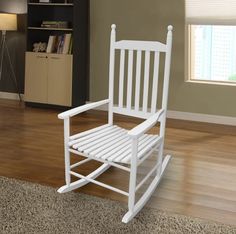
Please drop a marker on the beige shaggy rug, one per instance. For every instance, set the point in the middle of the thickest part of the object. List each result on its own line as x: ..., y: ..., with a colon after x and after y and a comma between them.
x: 32, y: 208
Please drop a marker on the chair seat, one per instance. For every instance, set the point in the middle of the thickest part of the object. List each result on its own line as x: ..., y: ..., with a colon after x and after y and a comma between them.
x: 111, y: 143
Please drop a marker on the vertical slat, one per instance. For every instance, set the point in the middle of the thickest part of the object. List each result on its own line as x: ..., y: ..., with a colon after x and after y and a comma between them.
x: 146, y: 81
x: 137, y: 85
x: 130, y: 78
x: 155, y: 82
x: 121, y: 78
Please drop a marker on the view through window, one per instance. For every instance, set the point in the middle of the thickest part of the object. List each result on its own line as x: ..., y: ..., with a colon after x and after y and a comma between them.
x: 213, y: 53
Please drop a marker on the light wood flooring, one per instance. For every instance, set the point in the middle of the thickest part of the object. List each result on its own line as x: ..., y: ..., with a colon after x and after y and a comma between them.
x: 200, y: 180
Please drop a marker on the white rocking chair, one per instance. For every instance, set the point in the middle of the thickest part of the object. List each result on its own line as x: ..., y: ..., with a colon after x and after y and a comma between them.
x: 113, y: 145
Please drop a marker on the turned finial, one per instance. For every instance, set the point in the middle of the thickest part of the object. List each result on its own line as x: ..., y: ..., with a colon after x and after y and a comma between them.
x: 170, y: 28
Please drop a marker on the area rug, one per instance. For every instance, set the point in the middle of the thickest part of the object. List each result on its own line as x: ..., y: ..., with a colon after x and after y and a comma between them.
x: 32, y: 208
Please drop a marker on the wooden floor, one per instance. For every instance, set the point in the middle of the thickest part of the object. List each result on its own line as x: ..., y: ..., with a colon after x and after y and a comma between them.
x: 200, y: 180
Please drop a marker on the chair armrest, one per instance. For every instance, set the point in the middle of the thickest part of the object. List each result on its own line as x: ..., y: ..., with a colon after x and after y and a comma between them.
x: 146, y: 125
x: 80, y: 109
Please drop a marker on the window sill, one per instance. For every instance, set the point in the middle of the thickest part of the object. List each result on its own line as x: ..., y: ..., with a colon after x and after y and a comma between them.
x: 223, y: 83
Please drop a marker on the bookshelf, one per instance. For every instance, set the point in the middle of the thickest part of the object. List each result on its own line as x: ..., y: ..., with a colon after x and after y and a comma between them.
x: 73, y: 65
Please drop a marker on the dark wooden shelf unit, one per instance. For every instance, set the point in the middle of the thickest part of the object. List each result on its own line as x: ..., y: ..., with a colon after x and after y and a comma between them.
x: 76, y: 13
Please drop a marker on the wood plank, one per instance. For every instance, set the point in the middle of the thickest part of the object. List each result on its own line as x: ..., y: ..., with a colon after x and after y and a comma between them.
x: 121, y: 78
x: 146, y: 81
x: 137, y: 83
x: 130, y: 79
x: 140, y: 45
x: 155, y: 83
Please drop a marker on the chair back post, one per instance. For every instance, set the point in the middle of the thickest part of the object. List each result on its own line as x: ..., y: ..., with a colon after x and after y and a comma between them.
x: 166, y: 78
x: 111, y: 72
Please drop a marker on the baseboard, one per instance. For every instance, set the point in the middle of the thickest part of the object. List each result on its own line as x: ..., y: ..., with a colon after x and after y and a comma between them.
x: 216, y: 119
x: 196, y: 117
x: 11, y: 96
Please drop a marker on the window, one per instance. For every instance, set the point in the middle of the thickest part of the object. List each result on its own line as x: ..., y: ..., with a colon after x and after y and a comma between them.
x: 212, y: 40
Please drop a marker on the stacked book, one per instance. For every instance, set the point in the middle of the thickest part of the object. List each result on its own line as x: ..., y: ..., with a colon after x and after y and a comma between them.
x: 54, y: 24
x: 44, y: 1
x: 61, y: 44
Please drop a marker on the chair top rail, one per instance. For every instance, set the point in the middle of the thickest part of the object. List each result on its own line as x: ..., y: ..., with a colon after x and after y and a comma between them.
x: 140, y: 45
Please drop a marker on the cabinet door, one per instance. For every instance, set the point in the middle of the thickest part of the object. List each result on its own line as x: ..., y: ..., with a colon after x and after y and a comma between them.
x: 60, y: 79
x: 36, y: 77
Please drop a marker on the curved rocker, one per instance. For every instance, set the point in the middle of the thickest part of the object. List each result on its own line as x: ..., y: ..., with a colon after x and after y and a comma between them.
x: 82, y: 182
x: 143, y: 200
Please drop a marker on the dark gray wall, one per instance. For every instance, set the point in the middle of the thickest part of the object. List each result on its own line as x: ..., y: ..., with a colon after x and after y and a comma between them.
x: 16, y: 42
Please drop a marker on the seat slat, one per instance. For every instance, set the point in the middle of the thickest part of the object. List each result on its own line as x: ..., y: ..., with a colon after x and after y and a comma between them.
x: 113, y: 154
x: 144, y: 151
x: 98, y: 140
x: 104, y: 144
x: 85, y: 133
x: 92, y: 134
x: 112, y: 150
x: 127, y: 151
x: 148, y: 145
x: 112, y: 143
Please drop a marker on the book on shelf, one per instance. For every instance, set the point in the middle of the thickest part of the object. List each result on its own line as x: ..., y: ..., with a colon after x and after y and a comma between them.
x: 67, y: 42
x: 44, y: 1
x: 51, y: 42
x: 71, y: 46
x: 54, y: 24
x: 61, y: 44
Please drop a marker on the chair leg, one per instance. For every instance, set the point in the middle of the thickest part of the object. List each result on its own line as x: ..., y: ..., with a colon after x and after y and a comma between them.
x: 67, y: 167
x: 146, y: 196
x: 132, y: 179
x: 132, y: 187
x: 66, y: 150
x: 160, y: 158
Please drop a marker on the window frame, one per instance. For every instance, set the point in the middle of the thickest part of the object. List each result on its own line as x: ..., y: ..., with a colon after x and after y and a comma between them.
x: 189, y: 62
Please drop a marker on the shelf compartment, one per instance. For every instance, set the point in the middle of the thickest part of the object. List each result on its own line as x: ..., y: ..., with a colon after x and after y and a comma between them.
x: 47, y: 54
x: 50, y: 4
x: 50, y: 29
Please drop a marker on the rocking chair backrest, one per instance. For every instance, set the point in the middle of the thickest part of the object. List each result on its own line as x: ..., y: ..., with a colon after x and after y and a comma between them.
x: 138, y: 48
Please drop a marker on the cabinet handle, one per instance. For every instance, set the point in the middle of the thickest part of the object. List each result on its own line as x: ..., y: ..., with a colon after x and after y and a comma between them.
x: 41, y: 56
x: 55, y: 58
